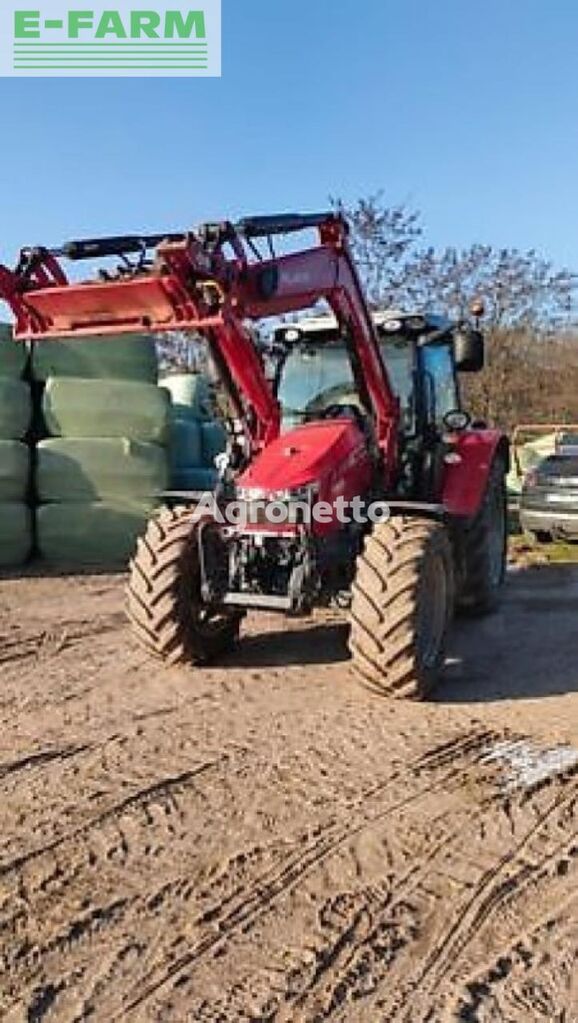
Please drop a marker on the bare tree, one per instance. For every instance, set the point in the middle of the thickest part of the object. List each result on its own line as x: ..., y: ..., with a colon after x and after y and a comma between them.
x: 180, y: 352
x: 383, y: 240
x: 528, y: 302
x: 519, y: 289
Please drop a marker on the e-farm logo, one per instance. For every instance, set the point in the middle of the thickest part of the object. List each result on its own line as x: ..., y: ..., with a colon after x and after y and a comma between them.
x: 162, y: 39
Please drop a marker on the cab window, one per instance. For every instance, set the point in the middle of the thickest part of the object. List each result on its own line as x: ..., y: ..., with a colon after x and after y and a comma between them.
x: 440, y: 381
x: 398, y: 360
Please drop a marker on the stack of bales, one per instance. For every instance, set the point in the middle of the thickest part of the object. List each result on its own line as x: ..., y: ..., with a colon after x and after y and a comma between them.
x: 105, y: 465
x: 15, y: 416
x: 196, y: 436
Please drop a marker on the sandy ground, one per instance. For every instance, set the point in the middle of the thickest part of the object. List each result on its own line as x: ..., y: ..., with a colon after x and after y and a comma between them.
x: 268, y: 841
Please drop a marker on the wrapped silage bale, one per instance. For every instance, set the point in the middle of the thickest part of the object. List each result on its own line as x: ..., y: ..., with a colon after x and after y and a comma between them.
x: 110, y: 357
x: 214, y: 441
x: 190, y: 394
x: 196, y: 437
x: 13, y: 354
x: 15, y: 533
x: 194, y: 479
x: 186, y: 444
x: 15, y: 414
x: 106, y: 466
x: 107, y: 408
x: 73, y: 469
x: 15, y: 408
x: 14, y: 470
x: 91, y: 534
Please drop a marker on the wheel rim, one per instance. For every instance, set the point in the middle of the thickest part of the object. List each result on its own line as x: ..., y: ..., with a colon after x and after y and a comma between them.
x: 497, y: 537
x: 433, y: 604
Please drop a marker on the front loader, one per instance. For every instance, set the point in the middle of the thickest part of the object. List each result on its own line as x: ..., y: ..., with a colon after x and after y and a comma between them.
x: 350, y: 409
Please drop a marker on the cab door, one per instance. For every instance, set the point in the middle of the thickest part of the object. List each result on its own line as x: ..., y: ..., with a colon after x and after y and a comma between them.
x: 439, y: 394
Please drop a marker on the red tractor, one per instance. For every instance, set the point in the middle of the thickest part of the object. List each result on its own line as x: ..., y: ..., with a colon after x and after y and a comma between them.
x: 351, y: 407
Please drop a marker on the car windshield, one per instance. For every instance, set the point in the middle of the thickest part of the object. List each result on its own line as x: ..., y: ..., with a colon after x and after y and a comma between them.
x: 559, y: 465
x: 317, y: 376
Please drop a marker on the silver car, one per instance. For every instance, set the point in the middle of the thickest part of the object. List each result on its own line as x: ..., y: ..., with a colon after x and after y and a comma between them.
x: 549, y: 500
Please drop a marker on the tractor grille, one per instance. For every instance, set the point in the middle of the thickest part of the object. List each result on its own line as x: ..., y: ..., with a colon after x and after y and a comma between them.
x: 256, y: 514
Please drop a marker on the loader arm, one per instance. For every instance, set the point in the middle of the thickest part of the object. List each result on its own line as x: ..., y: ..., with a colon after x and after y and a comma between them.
x: 211, y: 281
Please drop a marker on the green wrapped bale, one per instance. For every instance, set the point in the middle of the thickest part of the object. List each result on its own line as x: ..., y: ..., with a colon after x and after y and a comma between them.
x: 14, y: 470
x: 95, y: 469
x: 15, y: 408
x: 185, y: 446
x: 214, y: 440
x: 106, y: 408
x: 15, y: 534
x: 91, y: 535
x: 13, y: 354
x: 118, y: 357
x: 190, y: 395
x: 194, y: 479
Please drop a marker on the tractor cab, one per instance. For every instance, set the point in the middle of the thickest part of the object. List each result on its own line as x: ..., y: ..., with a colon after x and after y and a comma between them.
x: 315, y: 376
x: 316, y: 373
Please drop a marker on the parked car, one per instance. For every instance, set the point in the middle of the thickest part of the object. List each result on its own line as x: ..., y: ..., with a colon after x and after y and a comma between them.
x: 549, y: 500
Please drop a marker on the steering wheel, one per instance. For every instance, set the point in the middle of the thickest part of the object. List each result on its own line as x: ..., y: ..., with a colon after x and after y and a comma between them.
x: 345, y: 411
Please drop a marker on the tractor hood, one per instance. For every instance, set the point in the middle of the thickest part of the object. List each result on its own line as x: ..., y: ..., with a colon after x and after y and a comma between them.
x: 331, y: 454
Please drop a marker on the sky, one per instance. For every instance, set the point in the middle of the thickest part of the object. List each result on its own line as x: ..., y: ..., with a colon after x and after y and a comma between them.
x: 466, y: 111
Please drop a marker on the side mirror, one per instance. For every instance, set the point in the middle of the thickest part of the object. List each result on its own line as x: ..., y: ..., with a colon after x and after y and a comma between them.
x: 469, y: 350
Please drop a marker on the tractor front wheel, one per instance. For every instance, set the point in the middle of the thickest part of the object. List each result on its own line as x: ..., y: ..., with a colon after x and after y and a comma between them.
x: 485, y: 545
x: 402, y: 606
x: 165, y: 605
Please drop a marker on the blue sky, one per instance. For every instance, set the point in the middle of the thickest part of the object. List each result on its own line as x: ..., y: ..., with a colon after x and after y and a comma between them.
x: 467, y: 111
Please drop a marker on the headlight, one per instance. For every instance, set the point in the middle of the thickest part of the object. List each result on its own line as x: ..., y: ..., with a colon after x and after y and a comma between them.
x: 305, y: 493
x: 292, y: 334
x: 252, y: 494
x: 391, y: 326
x: 292, y: 499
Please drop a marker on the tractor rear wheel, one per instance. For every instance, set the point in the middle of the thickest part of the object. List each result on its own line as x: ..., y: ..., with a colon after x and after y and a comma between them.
x: 485, y: 547
x: 402, y: 606
x: 165, y: 606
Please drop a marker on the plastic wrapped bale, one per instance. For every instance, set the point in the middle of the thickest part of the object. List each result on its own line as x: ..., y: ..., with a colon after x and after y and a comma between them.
x: 94, y: 469
x: 14, y: 470
x: 194, y: 479
x: 214, y: 440
x: 15, y: 534
x: 106, y: 408
x: 190, y: 395
x: 185, y: 446
x: 95, y: 534
x: 122, y: 357
x: 15, y: 408
x: 13, y: 354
